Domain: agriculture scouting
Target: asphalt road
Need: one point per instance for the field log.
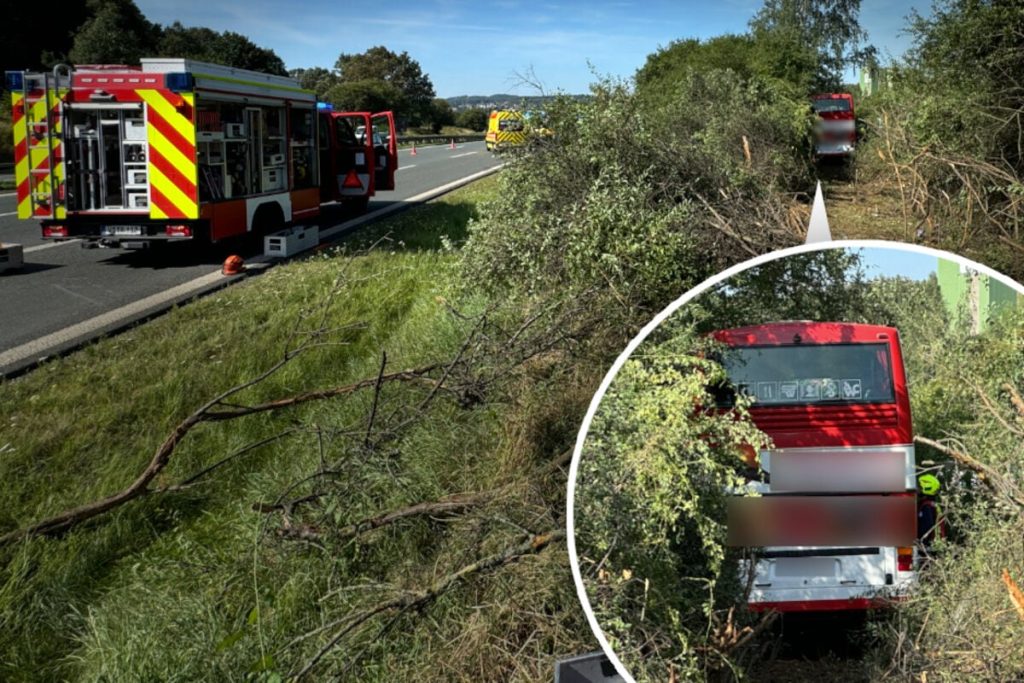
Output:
(63, 284)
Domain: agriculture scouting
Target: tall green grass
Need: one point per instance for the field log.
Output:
(194, 585)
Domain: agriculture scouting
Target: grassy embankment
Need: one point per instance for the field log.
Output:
(196, 585)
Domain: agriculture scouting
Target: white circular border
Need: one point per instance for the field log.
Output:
(577, 577)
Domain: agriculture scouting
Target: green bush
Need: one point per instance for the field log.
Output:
(947, 133)
(641, 202)
(961, 623)
(650, 510)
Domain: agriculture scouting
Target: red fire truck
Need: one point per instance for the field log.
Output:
(177, 149)
(834, 518)
(835, 133)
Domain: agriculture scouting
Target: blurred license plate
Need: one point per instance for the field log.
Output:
(123, 230)
(805, 566)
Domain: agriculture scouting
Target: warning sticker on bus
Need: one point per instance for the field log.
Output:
(804, 390)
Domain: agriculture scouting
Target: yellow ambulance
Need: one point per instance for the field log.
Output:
(505, 128)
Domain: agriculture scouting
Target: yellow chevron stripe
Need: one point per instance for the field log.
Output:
(168, 189)
(186, 166)
(155, 212)
(37, 155)
(20, 167)
(180, 123)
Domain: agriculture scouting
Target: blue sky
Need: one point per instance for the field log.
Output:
(476, 47)
(891, 262)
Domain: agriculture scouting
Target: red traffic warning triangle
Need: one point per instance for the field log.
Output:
(352, 181)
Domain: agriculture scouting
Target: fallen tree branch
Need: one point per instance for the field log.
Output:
(318, 395)
(1016, 597)
(414, 600)
(450, 504)
(994, 480)
(188, 483)
(994, 411)
(1015, 398)
(459, 502)
(64, 521)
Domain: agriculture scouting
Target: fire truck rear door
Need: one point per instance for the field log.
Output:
(385, 155)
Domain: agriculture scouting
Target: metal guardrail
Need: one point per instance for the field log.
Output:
(406, 140)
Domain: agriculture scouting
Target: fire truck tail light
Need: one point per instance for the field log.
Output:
(904, 559)
(178, 231)
(55, 231)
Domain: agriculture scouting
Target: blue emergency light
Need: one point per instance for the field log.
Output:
(15, 80)
(180, 82)
(324, 106)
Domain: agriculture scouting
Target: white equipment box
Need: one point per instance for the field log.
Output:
(11, 256)
(291, 241)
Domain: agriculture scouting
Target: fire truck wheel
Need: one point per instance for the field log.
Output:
(360, 205)
(267, 219)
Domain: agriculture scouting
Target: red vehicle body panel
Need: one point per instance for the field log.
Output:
(830, 425)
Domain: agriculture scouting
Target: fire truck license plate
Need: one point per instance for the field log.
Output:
(123, 230)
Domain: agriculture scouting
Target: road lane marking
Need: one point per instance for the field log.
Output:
(400, 168)
(8, 194)
(49, 245)
(11, 213)
(466, 154)
(75, 294)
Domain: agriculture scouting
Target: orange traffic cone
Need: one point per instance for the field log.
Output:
(233, 265)
(413, 152)
(453, 144)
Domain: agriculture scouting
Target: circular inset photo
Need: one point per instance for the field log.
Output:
(811, 463)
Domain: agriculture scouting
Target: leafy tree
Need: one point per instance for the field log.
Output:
(822, 285)
(117, 33)
(441, 114)
(367, 95)
(317, 79)
(399, 71)
(234, 49)
(829, 29)
(193, 42)
(474, 119)
(38, 40)
(663, 67)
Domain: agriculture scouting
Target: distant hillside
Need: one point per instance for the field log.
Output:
(501, 101)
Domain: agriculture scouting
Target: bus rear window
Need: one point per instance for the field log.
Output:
(831, 105)
(808, 374)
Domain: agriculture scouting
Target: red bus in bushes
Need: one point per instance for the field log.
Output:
(833, 513)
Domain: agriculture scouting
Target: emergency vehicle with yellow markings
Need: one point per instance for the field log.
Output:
(177, 149)
(505, 128)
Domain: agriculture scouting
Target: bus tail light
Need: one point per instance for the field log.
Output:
(904, 559)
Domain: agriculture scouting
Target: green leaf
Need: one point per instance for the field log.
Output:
(229, 640)
(264, 663)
